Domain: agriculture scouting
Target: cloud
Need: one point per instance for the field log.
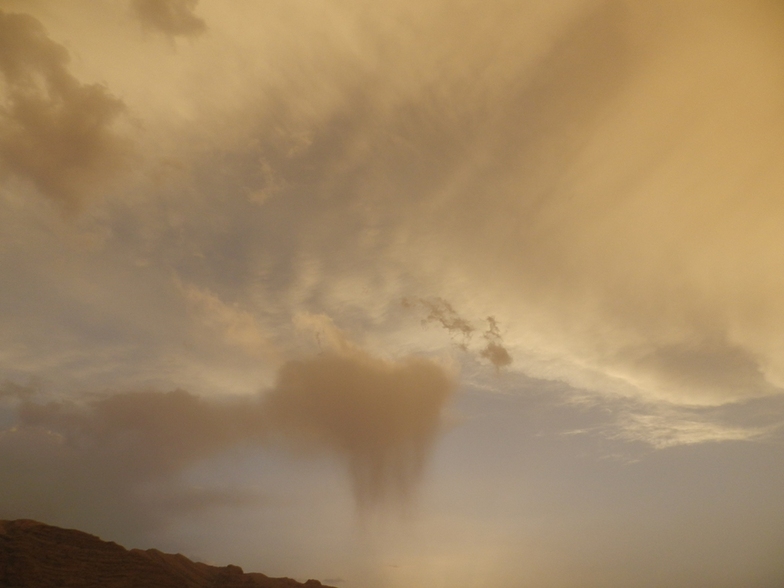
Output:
(172, 17)
(232, 325)
(112, 462)
(9, 389)
(494, 351)
(116, 461)
(661, 425)
(54, 131)
(670, 428)
(441, 312)
(605, 190)
(380, 417)
(709, 368)
(617, 212)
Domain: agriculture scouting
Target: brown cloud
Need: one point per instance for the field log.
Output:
(150, 432)
(380, 417)
(9, 389)
(709, 367)
(229, 324)
(54, 131)
(112, 462)
(441, 312)
(494, 351)
(115, 461)
(173, 17)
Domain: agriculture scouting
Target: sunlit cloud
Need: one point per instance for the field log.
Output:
(660, 426)
(232, 325)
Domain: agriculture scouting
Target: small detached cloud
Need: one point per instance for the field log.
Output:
(55, 132)
(171, 17)
(494, 351)
(441, 312)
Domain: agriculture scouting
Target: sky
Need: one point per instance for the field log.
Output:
(399, 293)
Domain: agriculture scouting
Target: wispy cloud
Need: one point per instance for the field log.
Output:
(664, 425)
(661, 429)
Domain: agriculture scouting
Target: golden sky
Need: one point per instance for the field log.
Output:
(399, 293)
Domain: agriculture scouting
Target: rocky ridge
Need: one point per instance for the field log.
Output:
(33, 554)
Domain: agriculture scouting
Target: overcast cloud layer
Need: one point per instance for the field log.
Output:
(322, 222)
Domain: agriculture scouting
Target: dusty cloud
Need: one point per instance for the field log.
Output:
(172, 17)
(549, 181)
(579, 199)
(441, 312)
(380, 417)
(55, 132)
(150, 432)
(116, 460)
(112, 462)
(9, 389)
(233, 325)
(494, 351)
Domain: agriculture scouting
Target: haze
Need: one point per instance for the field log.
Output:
(399, 293)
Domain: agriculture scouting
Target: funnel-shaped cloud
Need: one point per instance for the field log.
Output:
(116, 461)
(381, 417)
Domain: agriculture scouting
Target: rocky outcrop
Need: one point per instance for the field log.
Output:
(36, 555)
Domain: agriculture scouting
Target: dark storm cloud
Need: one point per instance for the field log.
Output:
(54, 131)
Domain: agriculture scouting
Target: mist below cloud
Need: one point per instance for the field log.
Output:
(115, 461)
